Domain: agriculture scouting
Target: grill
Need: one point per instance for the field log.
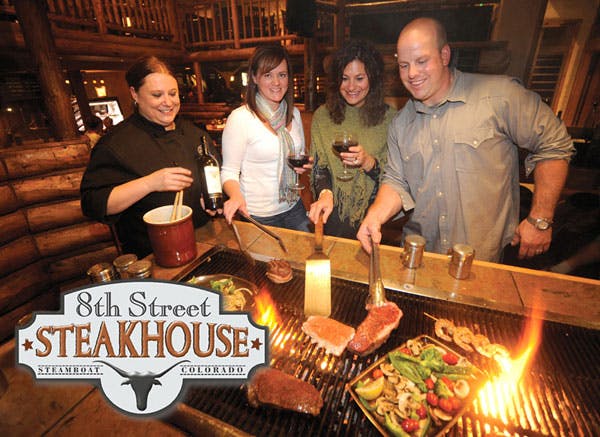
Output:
(558, 396)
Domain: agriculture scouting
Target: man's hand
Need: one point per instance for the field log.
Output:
(370, 230)
(532, 240)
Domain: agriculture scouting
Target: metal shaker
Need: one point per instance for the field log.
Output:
(414, 245)
(101, 272)
(461, 259)
(122, 263)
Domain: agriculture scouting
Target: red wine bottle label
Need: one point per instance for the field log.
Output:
(213, 179)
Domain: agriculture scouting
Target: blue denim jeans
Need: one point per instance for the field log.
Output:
(295, 219)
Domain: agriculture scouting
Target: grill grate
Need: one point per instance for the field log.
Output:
(560, 396)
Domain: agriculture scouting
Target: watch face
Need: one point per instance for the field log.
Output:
(542, 225)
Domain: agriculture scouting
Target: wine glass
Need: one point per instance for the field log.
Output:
(342, 141)
(297, 160)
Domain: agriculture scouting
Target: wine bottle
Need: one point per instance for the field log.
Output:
(210, 177)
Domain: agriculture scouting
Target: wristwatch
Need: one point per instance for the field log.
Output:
(540, 223)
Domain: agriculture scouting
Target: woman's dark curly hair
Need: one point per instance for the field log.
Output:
(373, 110)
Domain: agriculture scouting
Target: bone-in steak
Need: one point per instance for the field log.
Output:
(376, 328)
(275, 388)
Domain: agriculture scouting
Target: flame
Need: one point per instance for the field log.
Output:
(265, 312)
(499, 397)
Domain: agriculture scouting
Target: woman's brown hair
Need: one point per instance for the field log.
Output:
(374, 108)
(265, 59)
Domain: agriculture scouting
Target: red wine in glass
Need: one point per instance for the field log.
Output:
(342, 141)
(297, 161)
(344, 146)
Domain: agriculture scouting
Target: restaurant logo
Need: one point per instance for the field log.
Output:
(141, 341)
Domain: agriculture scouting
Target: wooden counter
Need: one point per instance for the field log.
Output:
(567, 299)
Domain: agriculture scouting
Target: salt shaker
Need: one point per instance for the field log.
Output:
(122, 263)
(101, 272)
(141, 269)
(461, 259)
(414, 245)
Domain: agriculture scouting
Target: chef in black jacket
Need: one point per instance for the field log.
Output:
(145, 159)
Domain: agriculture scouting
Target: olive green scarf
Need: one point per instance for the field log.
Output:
(351, 198)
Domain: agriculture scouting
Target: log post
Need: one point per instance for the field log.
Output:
(340, 24)
(33, 19)
(198, 73)
(100, 19)
(76, 80)
(310, 74)
(236, 25)
(174, 26)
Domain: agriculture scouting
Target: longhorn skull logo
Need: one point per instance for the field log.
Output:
(141, 384)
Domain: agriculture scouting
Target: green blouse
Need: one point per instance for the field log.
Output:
(351, 199)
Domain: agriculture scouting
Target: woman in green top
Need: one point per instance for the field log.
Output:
(354, 104)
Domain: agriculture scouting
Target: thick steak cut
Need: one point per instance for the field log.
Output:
(328, 333)
(376, 328)
(275, 388)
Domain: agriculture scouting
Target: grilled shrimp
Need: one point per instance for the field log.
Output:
(462, 337)
(480, 342)
(444, 329)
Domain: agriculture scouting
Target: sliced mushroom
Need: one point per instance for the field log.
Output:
(415, 347)
(383, 406)
(461, 389)
(440, 414)
(405, 401)
(388, 369)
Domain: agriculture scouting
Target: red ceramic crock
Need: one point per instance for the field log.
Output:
(173, 242)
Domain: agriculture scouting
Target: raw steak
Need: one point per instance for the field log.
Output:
(328, 333)
(376, 328)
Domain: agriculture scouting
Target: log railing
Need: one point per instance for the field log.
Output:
(236, 24)
(154, 19)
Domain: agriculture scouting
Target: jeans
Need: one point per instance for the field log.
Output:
(294, 218)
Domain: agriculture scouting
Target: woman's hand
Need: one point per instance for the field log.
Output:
(210, 212)
(231, 206)
(169, 179)
(166, 179)
(323, 205)
(305, 167)
(358, 157)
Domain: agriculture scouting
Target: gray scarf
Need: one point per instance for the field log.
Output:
(277, 120)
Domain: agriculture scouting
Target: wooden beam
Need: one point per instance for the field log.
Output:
(198, 73)
(233, 54)
(310, 74)
(33, 19)
(76, 81)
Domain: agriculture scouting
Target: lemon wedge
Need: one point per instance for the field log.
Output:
(371, 390)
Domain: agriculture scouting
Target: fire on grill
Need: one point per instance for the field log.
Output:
(557, 394)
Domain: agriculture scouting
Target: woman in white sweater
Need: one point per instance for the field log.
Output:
(256, 140)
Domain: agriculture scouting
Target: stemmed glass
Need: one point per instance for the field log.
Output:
(297, 160)
(342, 141)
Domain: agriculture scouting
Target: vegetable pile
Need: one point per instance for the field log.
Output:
(233, 297)
(417, 389)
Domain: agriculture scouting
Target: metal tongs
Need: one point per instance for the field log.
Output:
(264, 229)
(242, 247)
(376, 288)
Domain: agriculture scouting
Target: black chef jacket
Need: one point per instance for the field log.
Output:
(134, 148)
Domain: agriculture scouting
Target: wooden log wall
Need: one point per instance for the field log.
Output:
(46, 244)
